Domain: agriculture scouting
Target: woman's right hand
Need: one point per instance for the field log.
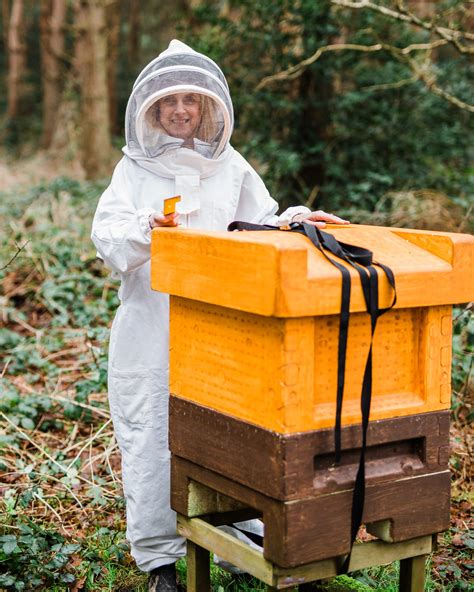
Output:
(155, 220)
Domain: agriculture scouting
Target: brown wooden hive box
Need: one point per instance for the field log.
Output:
(253, 362)
(290, 467)
(316, 528)
(304, 501)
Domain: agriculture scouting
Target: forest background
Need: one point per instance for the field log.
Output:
(359, 107)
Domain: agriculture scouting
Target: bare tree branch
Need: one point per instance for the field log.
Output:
(298, 69)
(429, 79)
(403, 14)
(389, 85)
(423, 46)
(421, 73)
(18, 251)
(451, 35)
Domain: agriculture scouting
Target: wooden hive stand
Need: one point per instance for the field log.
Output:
(204, 537)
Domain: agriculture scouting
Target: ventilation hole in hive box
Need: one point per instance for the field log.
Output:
(380, 530)
(383, 463)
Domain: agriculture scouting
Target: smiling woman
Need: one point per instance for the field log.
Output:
(192, 117)
(178, 125)
(180, 114)
(179, 105)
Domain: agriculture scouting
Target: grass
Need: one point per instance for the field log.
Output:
(62, 511)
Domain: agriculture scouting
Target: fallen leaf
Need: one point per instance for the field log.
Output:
(78, 585)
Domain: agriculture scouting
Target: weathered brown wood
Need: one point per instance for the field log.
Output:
(318, 527)
(253, 562)
(289, 467)
(412, 574)
(198, 569)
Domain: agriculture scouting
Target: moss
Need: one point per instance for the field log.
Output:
(345, 584)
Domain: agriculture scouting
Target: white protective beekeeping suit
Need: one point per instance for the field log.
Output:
(217, 186)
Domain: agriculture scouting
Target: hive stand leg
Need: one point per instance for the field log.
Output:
(198, 569)
(412, 574)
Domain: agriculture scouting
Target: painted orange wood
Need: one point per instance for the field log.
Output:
(281, 373)
(254, 323)
(282, 274)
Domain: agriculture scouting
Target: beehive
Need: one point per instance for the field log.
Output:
(253, 362)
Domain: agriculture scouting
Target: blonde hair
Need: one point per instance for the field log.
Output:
(208, 127)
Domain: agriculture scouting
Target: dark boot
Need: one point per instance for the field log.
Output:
(163, 579)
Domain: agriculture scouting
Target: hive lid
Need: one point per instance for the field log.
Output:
(282, 274)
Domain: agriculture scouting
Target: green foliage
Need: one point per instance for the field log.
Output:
(463, 350)
(61, 284)
(22, 411)
(57, 302)
(34, 557)
(39, 558)
(336, 135)
(385, 578)
(345, 584)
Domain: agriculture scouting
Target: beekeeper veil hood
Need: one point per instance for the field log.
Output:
(180, 100)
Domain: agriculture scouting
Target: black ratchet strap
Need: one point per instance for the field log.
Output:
(361, 260)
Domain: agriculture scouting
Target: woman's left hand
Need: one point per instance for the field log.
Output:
(319, 219)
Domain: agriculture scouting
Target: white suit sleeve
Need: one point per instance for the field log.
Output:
(120, 232)
(257, 206)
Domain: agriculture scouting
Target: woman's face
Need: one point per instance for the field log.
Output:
(180, 115)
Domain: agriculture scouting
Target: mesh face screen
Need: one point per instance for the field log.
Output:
(182, 59)
(179, 105)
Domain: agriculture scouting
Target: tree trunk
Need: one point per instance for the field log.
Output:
(5, 20)
(16, 58)
(91, 68)
(113, 18)
(52, 17)
(134, 23)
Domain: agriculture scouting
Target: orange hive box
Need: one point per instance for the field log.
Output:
(255, 316)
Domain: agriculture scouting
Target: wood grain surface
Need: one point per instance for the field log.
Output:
(290, 467)
(282, 373)
(283, 274)
(316, 528)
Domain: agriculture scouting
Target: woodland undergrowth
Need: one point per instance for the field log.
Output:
(62, 511)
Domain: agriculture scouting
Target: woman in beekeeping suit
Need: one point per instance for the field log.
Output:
(178, 124)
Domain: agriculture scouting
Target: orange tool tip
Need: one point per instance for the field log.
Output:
(170, 205)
